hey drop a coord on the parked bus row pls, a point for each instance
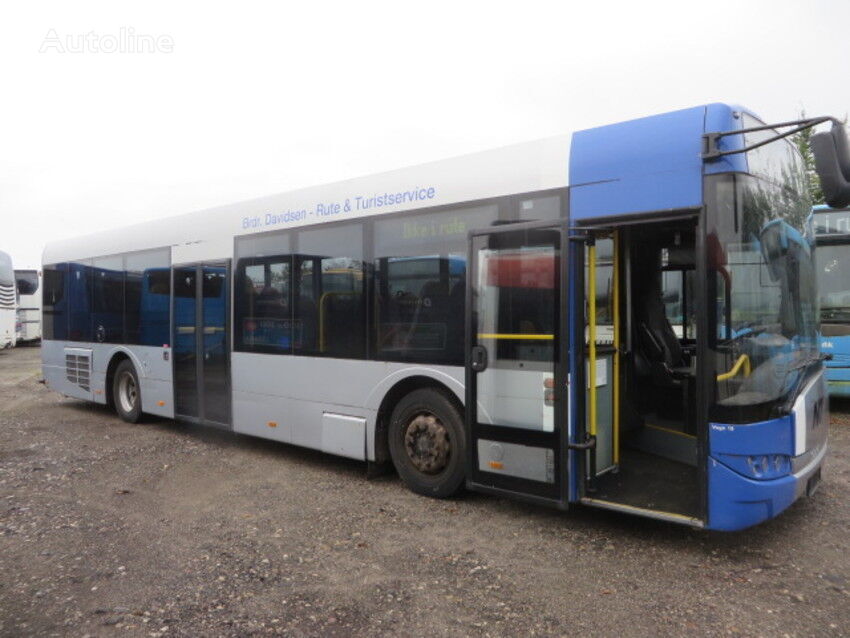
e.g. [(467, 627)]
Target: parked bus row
[(20, 305)]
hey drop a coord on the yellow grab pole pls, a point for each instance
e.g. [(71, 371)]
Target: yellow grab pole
[(591, 330), (616, 293)]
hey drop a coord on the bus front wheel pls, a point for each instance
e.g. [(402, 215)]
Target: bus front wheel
[(427, 443), (126, 392)]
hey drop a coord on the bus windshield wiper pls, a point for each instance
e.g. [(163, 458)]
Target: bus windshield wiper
[(788, 405)]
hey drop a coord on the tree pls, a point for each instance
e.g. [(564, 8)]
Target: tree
[(802, 140)]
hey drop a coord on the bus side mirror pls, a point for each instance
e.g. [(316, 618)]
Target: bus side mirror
[(832, 163)]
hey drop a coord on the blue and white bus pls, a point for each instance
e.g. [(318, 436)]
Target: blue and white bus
[(623, 317), (833, 263)]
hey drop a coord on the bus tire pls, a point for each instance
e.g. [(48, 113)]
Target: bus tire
[(427, 443), (126, 392)]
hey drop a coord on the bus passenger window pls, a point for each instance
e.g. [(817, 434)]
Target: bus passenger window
[(263, 311), (79, 300), (421, 305), (54, 303), (420, 282), (330, 301), (107, 309)]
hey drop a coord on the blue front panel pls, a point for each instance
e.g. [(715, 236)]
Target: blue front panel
[(737, 502), (752, 472), (749, 472)]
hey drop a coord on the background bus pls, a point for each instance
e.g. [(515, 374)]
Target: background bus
[(28, 283), (832, 228), (8, 303)]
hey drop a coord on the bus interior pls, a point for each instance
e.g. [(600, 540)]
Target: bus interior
[(640, 346)]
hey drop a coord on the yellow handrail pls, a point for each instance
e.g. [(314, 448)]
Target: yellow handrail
[(743, 361)]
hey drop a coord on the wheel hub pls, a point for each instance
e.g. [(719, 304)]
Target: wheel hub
[(127, 392), (427, 444)]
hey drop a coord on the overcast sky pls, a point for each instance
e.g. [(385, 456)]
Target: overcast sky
[(246, 99)]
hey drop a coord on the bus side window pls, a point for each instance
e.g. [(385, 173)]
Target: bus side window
[(263, 308), (147, 297), (330, 300), (420, 306), (54, 302), (107, 305)]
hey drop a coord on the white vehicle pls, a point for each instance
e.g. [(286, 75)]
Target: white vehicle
[(8, 303), (438, 317), (29, 305)]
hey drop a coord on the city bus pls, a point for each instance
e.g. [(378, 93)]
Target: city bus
[(28, 283), (832, 228), (8, 303), (623, 317)]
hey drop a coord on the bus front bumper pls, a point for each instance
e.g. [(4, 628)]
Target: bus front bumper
[(737, 501)]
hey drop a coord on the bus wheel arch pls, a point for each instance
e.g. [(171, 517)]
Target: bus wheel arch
[(433, 413), (114, 361), (392, 397)]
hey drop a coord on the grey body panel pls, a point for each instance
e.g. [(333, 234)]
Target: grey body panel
[(514, 459), (297, 394), (321, 403), (154, 373)]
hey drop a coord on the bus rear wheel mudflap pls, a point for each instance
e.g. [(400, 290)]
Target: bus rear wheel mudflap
[(427, 444), (126, 392)]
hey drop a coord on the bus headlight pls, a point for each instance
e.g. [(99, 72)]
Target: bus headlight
[(759, 466), (768, 465)]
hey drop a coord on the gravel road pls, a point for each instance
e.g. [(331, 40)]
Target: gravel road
[(161, 529)]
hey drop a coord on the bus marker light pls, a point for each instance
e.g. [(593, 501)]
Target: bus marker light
[(160, 403), (549, 383), (98, 391), (272, 424), (496, 465)]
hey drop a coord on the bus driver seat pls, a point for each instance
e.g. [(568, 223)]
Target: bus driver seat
[(659, 345)]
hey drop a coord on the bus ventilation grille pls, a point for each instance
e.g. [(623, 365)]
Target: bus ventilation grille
[(78, 369), (7, 296)]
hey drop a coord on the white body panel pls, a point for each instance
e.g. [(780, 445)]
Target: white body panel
[(29, 314), (208, 234), (8, 320), (8, 302)]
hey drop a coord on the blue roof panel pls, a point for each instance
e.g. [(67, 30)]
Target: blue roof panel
[(649, 164)]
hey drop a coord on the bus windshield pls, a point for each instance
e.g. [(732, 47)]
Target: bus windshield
[(763, 326), (833, 262), (27, 281)]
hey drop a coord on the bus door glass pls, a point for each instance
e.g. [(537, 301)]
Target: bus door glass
[(201, 344), (516, 406)]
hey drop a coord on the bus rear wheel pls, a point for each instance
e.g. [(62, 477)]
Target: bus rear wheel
[(126, 392), (427, 443)]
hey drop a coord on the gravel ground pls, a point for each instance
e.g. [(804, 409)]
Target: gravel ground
[(166, 529)]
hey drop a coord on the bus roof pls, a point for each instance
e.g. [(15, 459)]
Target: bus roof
[(611, 170)]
